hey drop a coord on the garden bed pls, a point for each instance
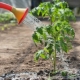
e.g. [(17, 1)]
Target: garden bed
[(17, 46)]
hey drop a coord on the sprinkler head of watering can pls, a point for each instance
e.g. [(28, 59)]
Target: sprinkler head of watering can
[(19, 13)]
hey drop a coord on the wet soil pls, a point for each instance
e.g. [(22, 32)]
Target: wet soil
[(17, 55)]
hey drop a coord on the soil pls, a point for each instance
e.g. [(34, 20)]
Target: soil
[(17, 53)]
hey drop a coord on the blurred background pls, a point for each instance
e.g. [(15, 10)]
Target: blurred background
[(74, 4)]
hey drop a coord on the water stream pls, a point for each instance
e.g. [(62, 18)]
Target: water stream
[(32, 22)]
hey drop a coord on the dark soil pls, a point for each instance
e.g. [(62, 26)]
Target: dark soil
[(17, 56)]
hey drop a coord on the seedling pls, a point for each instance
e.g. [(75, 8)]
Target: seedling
[(57, 36)]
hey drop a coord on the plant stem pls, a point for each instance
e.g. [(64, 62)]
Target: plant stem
[(54, 62), (51, 20)]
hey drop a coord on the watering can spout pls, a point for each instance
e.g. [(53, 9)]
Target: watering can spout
[(19, 13)]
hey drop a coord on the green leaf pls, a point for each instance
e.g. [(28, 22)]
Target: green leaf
[(46, 50), (57, 46), (38, 54), (40, 30), (64, 73), (64, 46), (44, 36), (72, 33), (44, 56), (50, 48), (67, 38), (36, 37), (41, 54), (48, 29), (42, 33)]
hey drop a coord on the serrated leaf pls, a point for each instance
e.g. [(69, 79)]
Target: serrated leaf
[(57, 47), (41, 54), (40, 30), (36, 37), (38, 54), (64, 46), (46, 50), (48, 29), (44, 36)]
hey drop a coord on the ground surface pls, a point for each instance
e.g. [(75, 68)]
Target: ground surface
[(13, 45), (17, 50)]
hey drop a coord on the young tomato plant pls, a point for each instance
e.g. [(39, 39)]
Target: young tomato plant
[(56, 36)]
